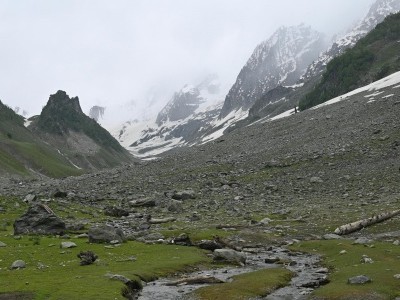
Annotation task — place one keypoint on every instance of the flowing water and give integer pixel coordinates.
(305, 266)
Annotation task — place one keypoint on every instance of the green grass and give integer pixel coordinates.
(9, 164)
(65, 279)
(343, 266)
(22, 152)
(247, 286)
(49, 163)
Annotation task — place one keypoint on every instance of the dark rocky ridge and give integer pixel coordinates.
(78, 137)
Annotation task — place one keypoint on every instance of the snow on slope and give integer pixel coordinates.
(374, 88)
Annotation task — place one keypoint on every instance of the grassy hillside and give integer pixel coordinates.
(375, 56)
(22, 153)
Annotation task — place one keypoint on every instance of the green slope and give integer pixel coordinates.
(375, 56)
(21, 153)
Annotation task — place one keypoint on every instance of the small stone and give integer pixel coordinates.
(397, 276)
(265, 221)
(18, 264)
(82, 236)
(118, 277)
(67, 245)
(396, 243)
(316, 179)
(29, 198)
(343, 252)
(271, 260)
(361, 279)
(41, 266)
(331, 236)
(322, 270)
(363, 241)
(366, 260)
(2, 244)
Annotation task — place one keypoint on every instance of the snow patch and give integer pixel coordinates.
(375, 86)
(224, 123)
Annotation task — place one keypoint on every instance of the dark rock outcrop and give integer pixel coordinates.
(39, 219)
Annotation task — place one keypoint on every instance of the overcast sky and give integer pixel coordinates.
(114, 52)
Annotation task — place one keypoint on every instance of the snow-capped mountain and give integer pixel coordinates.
(185, 120)
(377, 13)
(282, 98)
(190, 99)
(280, 60)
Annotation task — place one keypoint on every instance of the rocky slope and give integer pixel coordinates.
(79, 138)
(280, 60)
(338, 162)
(277, 182)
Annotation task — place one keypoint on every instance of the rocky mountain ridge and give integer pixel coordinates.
(376, 14)
(281, 99)
(277, 77)
(280, 60)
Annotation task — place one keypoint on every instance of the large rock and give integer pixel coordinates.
(67, 245)
(209, 245)
(175, 206)
(182, 240)
(230, 256)
(143, 203)
(18, 264)
(361, 279)
(39, 219)
(105, 234)
(184, 195)
(115, 211)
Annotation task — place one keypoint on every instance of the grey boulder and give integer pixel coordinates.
(105, 234)
(39, 219)
(18, 264)
(230, 256)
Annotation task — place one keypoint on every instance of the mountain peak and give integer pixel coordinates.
(280, 60)
(378, 11)
(61, 100)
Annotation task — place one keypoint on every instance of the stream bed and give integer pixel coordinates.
(308, 275)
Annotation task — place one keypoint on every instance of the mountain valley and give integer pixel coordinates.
(285, 186)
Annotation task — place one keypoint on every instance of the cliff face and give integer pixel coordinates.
(280, 60)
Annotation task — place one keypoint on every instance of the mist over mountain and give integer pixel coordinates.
(280, 60)
(378, 11)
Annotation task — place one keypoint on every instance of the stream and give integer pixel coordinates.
(308, 275)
